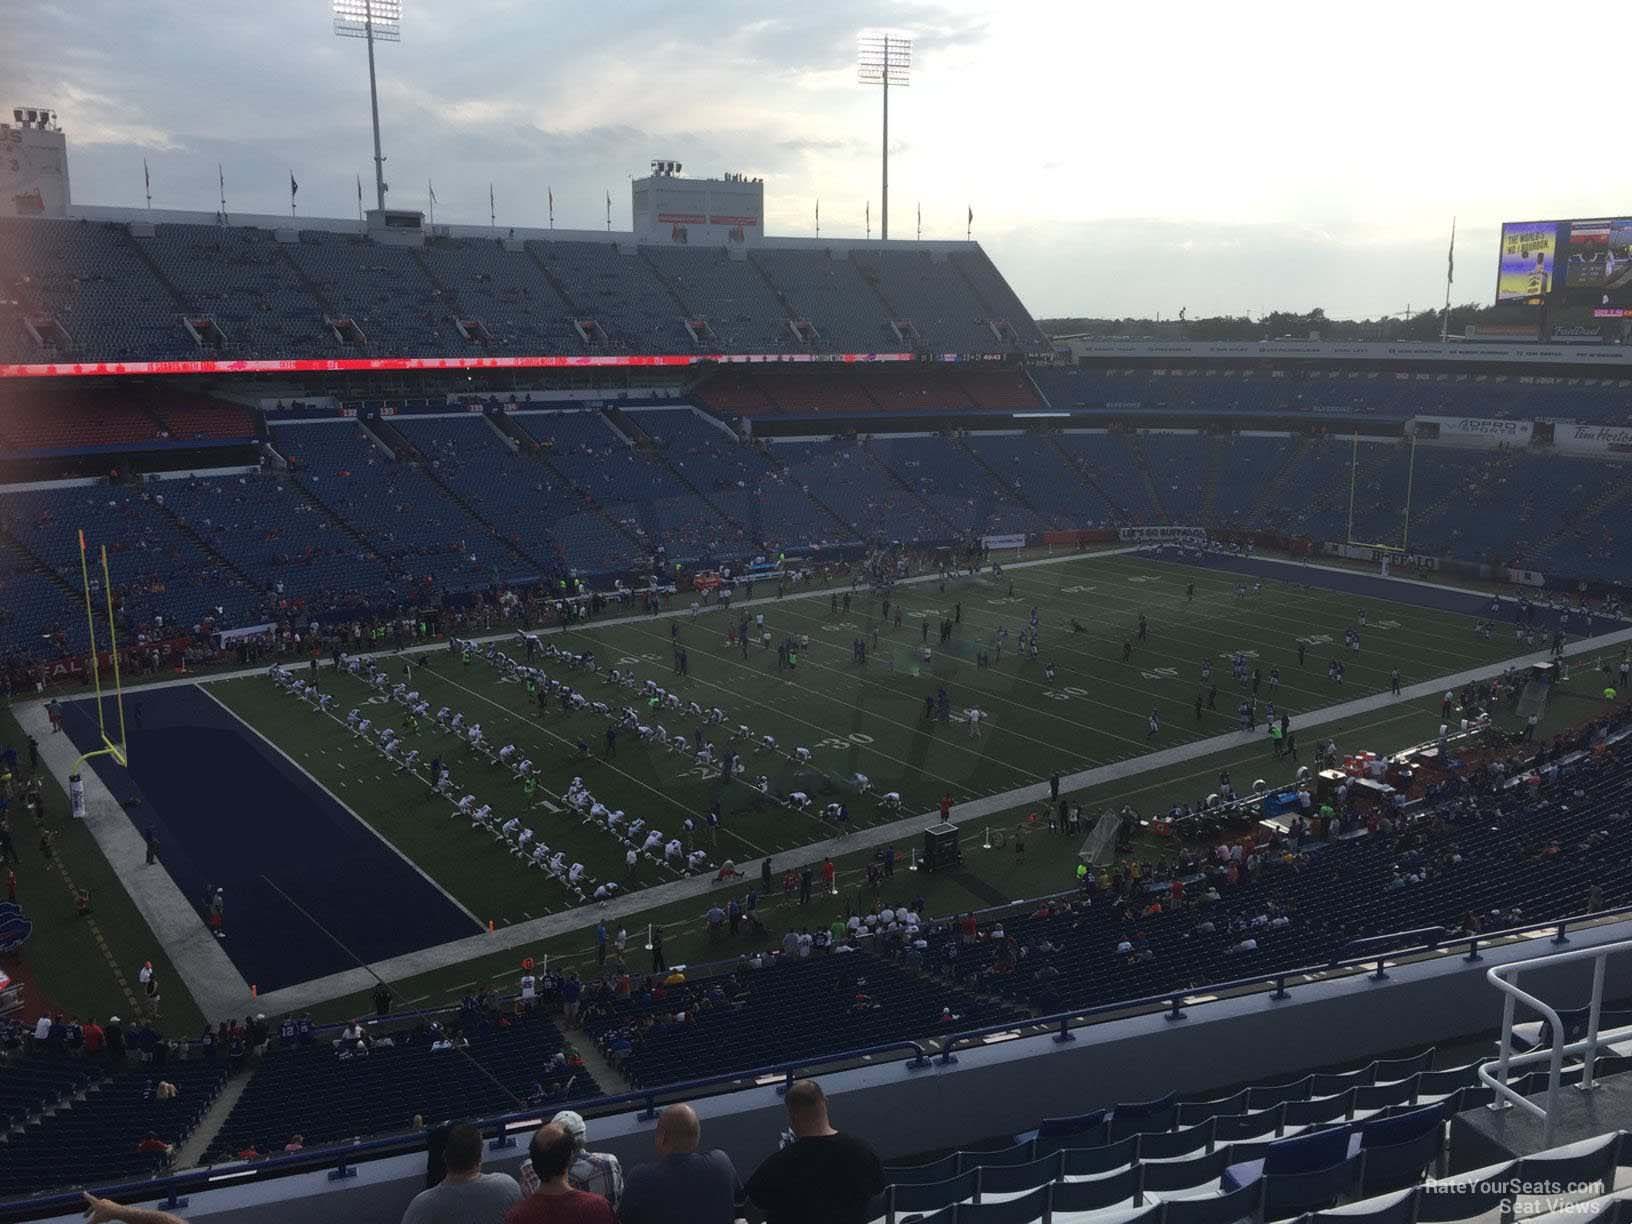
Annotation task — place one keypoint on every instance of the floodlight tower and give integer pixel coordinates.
(370, 20)
(884, 58)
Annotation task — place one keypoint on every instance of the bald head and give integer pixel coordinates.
(807, 1109)
(678, 1130)
(551, 1152)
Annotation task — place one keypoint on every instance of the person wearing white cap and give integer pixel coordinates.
(593, 1172)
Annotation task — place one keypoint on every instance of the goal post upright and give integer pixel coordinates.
(108, 748)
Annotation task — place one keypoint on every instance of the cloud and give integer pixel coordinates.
(810, 144)
(1113, 166)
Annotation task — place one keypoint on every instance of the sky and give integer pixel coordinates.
(1120, 159)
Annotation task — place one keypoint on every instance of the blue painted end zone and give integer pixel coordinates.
(229, 810)
(1374, 586)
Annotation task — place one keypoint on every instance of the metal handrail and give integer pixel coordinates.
(1504, 978)
(338, 1159)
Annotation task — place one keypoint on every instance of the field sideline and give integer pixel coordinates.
(868, 719)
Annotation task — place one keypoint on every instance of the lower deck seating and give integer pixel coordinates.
(479, 1063)
(91, 1135)
(792, 1008)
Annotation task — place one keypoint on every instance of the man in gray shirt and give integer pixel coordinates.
(465, 1195)
(684, 1186)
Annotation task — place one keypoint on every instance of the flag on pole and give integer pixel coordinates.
(920, 218)
(818, 216)
(147, 179)
(869, 215)
(551, 191)
(221, 178)
(430, 189)
(492, 212)
(1450, 258)
(294, 187)
(971, 214)
(359, 191)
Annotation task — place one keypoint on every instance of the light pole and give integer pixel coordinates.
(884, 58)
(371, 20)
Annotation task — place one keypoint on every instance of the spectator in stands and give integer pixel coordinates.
(684, 1186)
(465, 1193)
(594, 1172)
(822, 1177)
(153, 1145)
(551, 1155)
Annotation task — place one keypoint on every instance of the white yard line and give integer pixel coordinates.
(342, 805)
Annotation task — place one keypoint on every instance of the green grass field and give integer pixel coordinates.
(1045, 868)
(867, 719)
(871, 719)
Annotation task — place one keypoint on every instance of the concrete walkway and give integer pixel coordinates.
(216, 985)
(221, 991)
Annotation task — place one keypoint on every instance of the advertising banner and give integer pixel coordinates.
(1518, 433)
(1155, 535)
(1593, 438)
(998, 543)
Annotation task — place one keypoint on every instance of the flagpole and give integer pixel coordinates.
(869, 216)
(818, 216)
(221, 179)
(969, 225)
(292, 189)
(552, 207)
(1450, 275)
(431, 191)
(147, 186)
(609, 211)
(492, 209)
(359, 200)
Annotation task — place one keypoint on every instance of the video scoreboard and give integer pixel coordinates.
(1568, 263)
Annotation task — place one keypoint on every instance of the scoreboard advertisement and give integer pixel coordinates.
(1575, 263)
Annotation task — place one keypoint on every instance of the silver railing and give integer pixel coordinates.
(1505, 979)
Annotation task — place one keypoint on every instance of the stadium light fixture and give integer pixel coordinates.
(371, 20)
(884, 58)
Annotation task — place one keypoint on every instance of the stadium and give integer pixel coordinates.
(462, 673)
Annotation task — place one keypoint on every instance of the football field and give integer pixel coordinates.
(1075, 705)
(334, 855)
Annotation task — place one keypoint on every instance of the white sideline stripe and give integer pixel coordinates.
(341, 804)
(612, 622)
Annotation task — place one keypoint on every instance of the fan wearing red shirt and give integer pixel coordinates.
(555, 1202)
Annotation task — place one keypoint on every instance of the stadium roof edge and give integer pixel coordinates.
(112, 214)
(1612, 359)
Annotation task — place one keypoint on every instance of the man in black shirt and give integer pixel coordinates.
(822, 1177)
